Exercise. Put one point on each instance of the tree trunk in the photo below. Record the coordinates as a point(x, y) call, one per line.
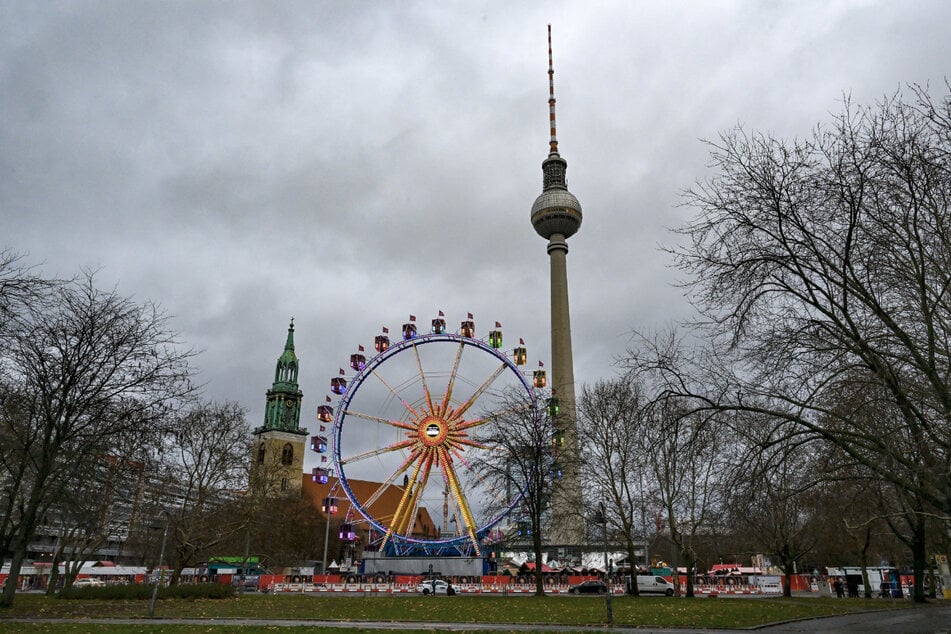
point(54, 570)
point(787, 579)
point(863, 556)
point(689, 563)
point(537, 546)
point(18, 548)
point(918, 548)
point(932, 587)
point(630, 558)
point(13, 578)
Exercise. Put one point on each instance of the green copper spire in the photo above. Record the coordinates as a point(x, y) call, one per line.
point(286, 371)
point(284, 397)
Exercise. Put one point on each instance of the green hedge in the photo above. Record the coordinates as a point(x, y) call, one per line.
point(143, 591)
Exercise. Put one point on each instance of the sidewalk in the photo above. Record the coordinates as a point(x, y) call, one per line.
point(928, 619)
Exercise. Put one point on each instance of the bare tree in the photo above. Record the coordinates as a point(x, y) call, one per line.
point(81, 368)
point(20, 288)
point(207, 467)
point(827, 261)
point(772, 494)
point(523, 463)
point(687, 455)
point(610, 415)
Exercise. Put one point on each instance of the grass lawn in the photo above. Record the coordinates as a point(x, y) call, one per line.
point(561, 610)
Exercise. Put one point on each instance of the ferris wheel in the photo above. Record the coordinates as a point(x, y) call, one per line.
point(406, 443)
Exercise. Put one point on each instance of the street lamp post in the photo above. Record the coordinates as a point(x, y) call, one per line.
point(161, 574)
point(329, 507)
point(647, 557)
point(244, 564)
point(607, 568)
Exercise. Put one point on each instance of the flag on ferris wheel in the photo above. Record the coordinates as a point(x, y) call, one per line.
point(540, 364)
point(322, 428)
point(342, 372)
point(498, 325)
point(412, 317)
point(521, 341)
point(323, 458)
point(469, 315)
point(442, 314)
point(329, 400)
point(360, 349)
point(385, 330)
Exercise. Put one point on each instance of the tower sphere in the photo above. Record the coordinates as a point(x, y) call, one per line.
point(556, 210)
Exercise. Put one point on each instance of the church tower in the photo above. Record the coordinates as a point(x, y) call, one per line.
point(278, 448)
point(556, 216)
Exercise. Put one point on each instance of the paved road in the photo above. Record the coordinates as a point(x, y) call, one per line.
point(934, 619)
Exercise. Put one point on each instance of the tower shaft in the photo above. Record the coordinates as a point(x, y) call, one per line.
point(556, 216)
point(567, 524)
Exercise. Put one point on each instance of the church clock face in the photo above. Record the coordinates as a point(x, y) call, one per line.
point(287, 418)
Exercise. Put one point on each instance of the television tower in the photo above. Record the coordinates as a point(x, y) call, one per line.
point(556, 216)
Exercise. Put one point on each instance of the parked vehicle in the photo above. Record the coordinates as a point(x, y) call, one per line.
point(434, 586)
point(88, 582)
point(651, 584)
point(589, 587)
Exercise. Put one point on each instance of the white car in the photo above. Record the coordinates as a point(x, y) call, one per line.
point(88, 582)
point(435, 586)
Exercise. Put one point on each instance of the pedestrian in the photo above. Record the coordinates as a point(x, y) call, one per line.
point(853, 588)
point(837, 586)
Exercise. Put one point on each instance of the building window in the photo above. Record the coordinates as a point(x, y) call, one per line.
point(261, 453)
point(287, 455)
point(283, 484)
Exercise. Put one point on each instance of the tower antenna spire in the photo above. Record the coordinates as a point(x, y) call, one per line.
point(553, 143)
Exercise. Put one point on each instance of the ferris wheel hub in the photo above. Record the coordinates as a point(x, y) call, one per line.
point(433, 430)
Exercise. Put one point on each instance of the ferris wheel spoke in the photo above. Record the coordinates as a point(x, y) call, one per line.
point(492, 416)
point(396, 394)
point(390, 529)
point(492, 490)
point(452, 380)
point(401, 523)
point(468, 442)
point(458, 413)
point(456, 511)
point(460, 496)
point(379, 419)
point(389, 481)
point(398, 513)
point(403, 444)
point(409, 521)
point(422, 376)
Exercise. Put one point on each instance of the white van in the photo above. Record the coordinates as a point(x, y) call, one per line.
point(649, 584)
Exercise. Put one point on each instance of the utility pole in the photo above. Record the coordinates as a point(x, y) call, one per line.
point(607, 565)
point(161, 573)
point(329, 507)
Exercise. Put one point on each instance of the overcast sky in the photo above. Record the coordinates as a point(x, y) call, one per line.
point(350, 163)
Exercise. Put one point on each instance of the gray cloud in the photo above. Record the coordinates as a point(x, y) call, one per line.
point(348, 164)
